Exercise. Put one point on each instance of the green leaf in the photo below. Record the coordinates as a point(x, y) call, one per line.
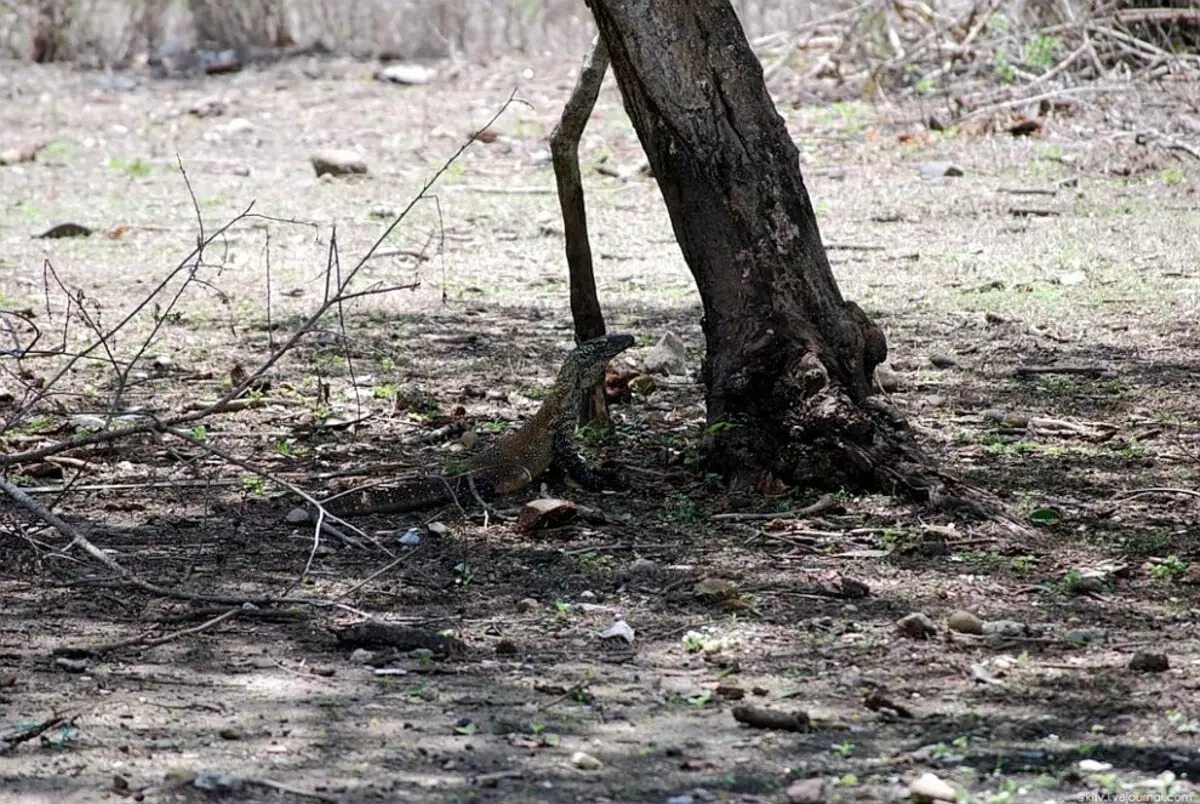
point(1045, 516)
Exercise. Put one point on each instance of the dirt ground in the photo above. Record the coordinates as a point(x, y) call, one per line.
point(1074, 249)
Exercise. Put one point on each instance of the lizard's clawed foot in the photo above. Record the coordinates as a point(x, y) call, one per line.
point(611, 477)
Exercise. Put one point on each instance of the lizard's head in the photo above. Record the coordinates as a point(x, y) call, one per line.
point(590, 357)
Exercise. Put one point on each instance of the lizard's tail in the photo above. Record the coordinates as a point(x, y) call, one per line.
point(409, 494)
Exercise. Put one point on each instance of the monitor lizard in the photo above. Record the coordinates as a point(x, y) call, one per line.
point(515, 460)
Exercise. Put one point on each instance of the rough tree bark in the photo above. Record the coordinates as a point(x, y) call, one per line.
point(564, 151)
point(790, 363)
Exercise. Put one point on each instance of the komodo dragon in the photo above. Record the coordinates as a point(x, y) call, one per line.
point(512, 462)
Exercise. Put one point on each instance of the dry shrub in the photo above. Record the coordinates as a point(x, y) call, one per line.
point(115, 32)
point(108, 33)
point(240, 24)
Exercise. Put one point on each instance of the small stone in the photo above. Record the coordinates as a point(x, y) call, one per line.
point(337, 162)
point(585, 761)
point(7, 397)
point(241, 170)
point(667, 357)
point(406, 74)
point(296, 516)
point(1144, 662)
point(807, 791)
point(1088, 585)
point(380, 211)
point(437, 528)
point(887, 379)
point(643, 566)
point(506, 647)
point(1005, 628)
point(239, 125)
point(716, 588)
point(71, 665)
point(916, 626)
point(542, 514)
point(943, 361)
point(937, 170)
point(928, 787)
point(208, 107)
point(527, 604)
point(618, 630)
point(1094, 766)
point(964, 622)
point(1082, 636)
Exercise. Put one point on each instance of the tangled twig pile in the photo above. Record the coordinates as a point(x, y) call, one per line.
point(982, 53)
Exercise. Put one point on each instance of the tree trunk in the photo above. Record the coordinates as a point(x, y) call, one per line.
point(790, 363)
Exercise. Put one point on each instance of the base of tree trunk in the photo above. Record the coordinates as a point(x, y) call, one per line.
point(833, 444)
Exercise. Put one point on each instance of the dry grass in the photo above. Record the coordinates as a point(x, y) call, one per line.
point(115, 32)
point(1106, 277)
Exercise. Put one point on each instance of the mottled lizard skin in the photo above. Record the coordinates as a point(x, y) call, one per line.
point(512, 462)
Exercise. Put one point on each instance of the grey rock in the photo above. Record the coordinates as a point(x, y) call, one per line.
point(337, 162)
point(937, 170)
point(406, 74)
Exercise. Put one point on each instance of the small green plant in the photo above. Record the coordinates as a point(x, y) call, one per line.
point(495, 426)
point(701, 699)
point(852, 115)
point(1041, 51)
point(198, 433)
point(1131, 449)
point(59, 149)
point(455, 468)
point(562, 609)
point(1000, 796)
point(1022, 564)
point(1167, 568)
point(385, 390)
point(937, 750)
point(136, 168)
point(464, 576)
point(680, 508)
point(1045, 516)
point(1182, 723)
point(694, 641)
point(283, 447)
point(37, 424)
point(843, 749)
point(1171, 175)
point(590, 434)
point(925, 86)
point(592, 562)
point(544, 737)
point(424, 691)
point(537, 392)
point(255, 485)
point(982, 559)
point(1001, 66)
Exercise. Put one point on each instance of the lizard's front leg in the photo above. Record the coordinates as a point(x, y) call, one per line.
point(566, 454)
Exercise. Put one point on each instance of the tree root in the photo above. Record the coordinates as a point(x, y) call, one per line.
point(834, 443)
